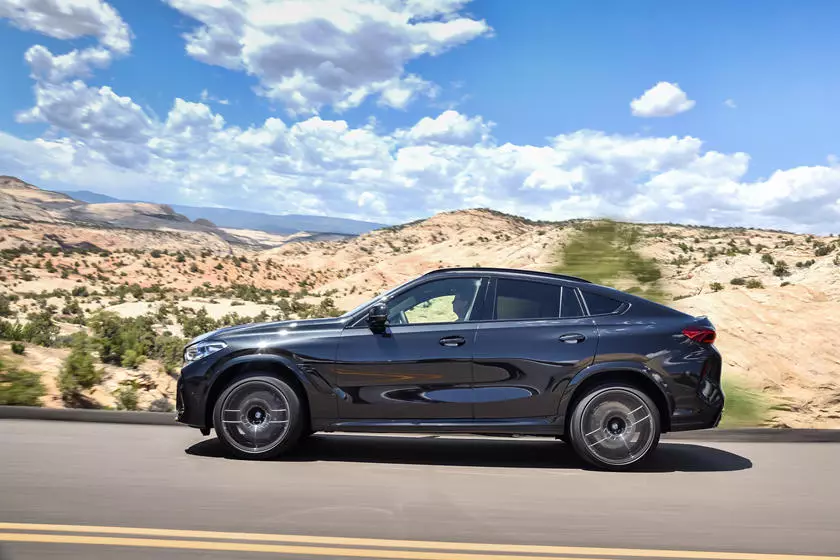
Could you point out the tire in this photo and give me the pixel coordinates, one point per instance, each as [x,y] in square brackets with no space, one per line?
[258,416]
[615,427]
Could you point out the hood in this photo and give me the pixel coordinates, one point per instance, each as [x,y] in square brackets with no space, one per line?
[272,327]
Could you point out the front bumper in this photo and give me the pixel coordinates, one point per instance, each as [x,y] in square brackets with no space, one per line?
[191,400]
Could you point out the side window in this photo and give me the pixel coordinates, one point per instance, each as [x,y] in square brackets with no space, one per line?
[600,305]
[522,299]
[448,300]
[571,305]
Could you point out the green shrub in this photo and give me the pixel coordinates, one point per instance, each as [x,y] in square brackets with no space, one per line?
[5,306]
[754,283]
[823,249]
[78,372]
[126,396]
[605,252]
[781,269]
[767,258]
[19,387]
[738,281]
[716,286]
[132,359]
[18,347]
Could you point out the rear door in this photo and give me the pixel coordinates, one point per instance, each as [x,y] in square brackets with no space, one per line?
[537,338]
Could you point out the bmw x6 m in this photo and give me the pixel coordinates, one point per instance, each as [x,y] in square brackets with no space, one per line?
[467,350]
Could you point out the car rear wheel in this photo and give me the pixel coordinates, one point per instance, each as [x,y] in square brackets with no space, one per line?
[615,427]
[258,417]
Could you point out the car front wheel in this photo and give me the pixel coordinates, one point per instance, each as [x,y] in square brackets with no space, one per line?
[615,427]
[258,417]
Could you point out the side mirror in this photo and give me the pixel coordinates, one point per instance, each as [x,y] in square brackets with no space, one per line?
[378,316]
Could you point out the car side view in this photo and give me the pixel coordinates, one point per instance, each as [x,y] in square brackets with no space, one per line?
[466,350]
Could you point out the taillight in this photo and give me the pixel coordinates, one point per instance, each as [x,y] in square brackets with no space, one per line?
[701,335]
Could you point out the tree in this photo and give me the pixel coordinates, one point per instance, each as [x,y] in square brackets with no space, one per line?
[78,372]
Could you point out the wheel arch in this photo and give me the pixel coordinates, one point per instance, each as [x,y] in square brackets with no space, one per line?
[266,364]
[631,374]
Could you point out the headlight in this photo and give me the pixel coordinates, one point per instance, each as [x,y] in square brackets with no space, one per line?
[201,350]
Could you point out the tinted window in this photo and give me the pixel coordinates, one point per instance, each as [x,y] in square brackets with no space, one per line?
[600,305]
[439,301]
[520,299]
[571,305]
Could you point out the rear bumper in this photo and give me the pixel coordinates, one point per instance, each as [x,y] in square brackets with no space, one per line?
[706,414]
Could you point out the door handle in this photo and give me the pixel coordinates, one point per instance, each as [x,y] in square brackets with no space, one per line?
[572,338]
[452,341]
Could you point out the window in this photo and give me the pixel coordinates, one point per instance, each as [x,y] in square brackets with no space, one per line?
[600,305]
[571,305]
[447,300]
[521,299]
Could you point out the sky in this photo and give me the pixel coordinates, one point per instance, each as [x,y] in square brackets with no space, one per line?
[715,113]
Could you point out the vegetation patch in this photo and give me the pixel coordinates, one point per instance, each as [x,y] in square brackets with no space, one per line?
[605,252]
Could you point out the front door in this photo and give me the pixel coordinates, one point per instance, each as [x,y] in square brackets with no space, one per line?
[524,357]
[421,366]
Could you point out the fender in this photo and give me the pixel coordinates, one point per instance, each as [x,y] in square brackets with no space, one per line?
[598,368]
[268,359]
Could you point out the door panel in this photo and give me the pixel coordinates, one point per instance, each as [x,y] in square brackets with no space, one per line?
[521,367]
[411,371]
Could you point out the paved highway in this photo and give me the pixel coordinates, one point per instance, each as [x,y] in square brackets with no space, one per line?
[87,490]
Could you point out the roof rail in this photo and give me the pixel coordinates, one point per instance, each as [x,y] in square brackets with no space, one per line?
[509,270]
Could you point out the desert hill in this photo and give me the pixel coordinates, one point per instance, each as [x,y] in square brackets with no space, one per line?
[774,296]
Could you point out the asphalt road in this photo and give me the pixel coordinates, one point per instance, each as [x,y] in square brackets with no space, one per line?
[443,495]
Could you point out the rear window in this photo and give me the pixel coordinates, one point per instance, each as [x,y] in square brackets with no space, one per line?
[600,305]
[522,299]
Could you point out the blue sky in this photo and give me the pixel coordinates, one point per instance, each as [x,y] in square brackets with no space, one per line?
[538,96]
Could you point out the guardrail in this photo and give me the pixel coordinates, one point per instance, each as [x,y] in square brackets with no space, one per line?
[168,419]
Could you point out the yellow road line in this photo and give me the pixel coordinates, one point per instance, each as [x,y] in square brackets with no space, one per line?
[274,548]
[417,545]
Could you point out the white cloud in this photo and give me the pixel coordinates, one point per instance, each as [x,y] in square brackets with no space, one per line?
[309,54]
[105,142]
[70,19]
[450,127]
[662,100]
[47,67]
[730,103]
[205,97]
[86,112]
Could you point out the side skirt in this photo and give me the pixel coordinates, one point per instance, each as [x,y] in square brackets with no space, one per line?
[513,426]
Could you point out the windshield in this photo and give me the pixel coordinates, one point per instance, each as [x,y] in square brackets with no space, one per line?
[380,296]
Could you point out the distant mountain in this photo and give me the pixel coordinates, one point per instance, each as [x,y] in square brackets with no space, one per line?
[244,219]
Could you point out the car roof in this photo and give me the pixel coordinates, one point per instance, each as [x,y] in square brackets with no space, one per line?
[506,272]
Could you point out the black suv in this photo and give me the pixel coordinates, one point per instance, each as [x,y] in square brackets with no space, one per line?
[467,350]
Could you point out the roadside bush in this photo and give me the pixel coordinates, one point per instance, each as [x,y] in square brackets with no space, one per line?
[78,372]
[126,396]
[754,283]
[738,281]
[18,348]
[20,387]
[716,286]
